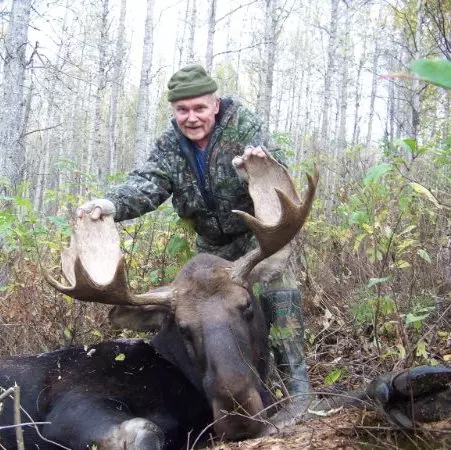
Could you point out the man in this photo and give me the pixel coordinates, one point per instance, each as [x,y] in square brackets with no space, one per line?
[192,162]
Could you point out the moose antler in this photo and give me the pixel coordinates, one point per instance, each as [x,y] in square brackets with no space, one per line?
[279,213]
[94,266]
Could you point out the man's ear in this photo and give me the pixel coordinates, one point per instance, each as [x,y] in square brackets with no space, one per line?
[139,318]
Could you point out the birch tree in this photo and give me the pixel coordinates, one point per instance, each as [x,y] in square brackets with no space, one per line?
[12,145]
[270,53]
[330,68]
[192,32]
[95,164]
[211,35]
[375,75]
[118,69]
[341,135]
[142,116]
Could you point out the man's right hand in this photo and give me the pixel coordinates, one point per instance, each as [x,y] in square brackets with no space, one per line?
[96,208]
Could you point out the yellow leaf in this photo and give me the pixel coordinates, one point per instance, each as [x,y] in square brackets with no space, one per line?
[426,193]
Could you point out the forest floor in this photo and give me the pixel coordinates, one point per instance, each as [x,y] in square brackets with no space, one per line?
[342,346]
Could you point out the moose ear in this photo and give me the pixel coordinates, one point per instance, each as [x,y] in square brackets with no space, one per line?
[149,318]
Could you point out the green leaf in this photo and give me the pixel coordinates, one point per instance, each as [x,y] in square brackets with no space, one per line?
[25,202]
[408,229]
[374,281]
[424,192]
[177,244]
[358,241]
[359,217]
[435,71]
[68,332]
[376,172]
[401,350]
[419,316]
[421,349]
[423,254]
[409,144]
[333,376]
[402,264]
[120,357]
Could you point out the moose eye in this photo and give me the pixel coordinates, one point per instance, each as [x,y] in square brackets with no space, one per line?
[248,310]
[185,332]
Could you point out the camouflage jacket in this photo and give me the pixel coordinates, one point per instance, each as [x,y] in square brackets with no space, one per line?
[171,169]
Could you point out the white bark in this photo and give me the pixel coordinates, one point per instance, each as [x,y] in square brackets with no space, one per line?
[12,146]
[142,116]
[192,32]
[270,57]
[358,94]
[344,89]
[95,163]
[331,55]
[210,36]
[117,85]
[374,83]
[416,89]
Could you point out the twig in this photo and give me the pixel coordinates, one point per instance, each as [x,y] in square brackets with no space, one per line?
[7,392]
[23,424]
[17,420]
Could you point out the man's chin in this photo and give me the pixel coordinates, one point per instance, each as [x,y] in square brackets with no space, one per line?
[195,137]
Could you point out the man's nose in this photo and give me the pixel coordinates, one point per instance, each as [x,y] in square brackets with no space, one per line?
[192,116]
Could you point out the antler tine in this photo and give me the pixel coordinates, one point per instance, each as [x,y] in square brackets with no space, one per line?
[279,213]
[95,268]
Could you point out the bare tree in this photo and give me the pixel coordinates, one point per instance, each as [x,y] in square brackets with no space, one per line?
[331,56]
[95,164]
[192,32]
[142,116]
[270,59]
[12,146]
[117,80]
[211,34]
[341,135]
[375,75]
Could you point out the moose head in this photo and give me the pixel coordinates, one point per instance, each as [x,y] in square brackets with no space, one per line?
[210,324]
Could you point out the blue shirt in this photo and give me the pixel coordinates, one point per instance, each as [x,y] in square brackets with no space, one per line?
[201,160]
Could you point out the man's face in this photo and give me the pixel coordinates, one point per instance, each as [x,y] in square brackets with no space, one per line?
[196,117]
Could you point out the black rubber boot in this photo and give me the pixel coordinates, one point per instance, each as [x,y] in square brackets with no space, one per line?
[283,313]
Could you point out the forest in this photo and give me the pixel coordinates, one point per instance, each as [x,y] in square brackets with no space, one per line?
[362,88]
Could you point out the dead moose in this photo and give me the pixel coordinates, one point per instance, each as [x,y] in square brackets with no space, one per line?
[212,331]
[208,363]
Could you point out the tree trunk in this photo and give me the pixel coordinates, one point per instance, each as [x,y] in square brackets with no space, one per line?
[331,55]
[142,116]
[374,70]
[211,35]
[192,32]
[12,146]
[358,95]
[95,165]
[180,41]
[416,89]
[344,90]
[117,85]
[270,58]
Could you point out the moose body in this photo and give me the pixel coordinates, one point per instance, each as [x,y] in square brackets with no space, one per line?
[115,395]
[208,361]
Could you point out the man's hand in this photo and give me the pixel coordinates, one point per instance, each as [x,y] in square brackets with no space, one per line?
[249,152]
[96,209]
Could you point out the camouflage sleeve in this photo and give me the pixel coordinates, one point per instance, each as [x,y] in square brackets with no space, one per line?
[252,133]
[145,188]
